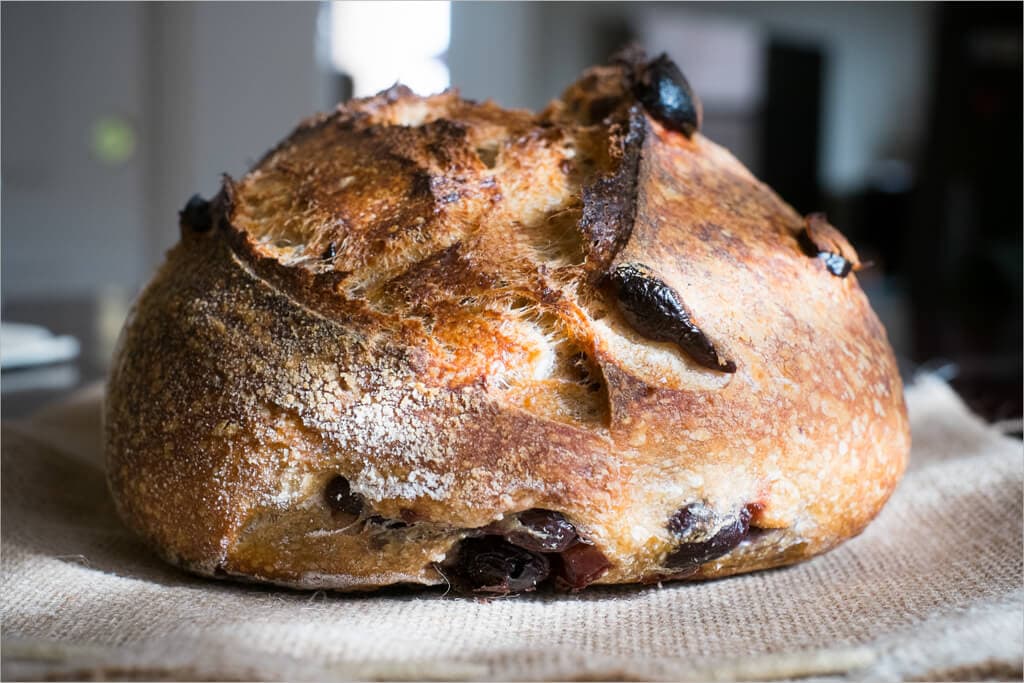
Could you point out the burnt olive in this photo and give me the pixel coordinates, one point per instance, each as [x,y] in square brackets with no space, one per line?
[579,566]
[655,310]
[493,565]
[196,215]
[819,239]
[667,96]
[543,531]
[705,535]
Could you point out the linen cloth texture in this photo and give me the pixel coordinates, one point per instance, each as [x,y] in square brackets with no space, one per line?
[931,590]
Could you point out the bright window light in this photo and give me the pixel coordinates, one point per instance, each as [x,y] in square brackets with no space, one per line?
[379,43]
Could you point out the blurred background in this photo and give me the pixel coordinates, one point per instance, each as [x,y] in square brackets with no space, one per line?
[902,121]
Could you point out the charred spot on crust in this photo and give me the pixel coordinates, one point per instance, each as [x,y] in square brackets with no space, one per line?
[820,240]
[493,565]
[654,310]
[667,96]
[521,552]
[704,534]
[339,496]
[196,215]
[609,203]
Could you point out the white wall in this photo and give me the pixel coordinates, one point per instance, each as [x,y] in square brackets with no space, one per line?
[208,86]
[496,54]
[229,81]
[69,222]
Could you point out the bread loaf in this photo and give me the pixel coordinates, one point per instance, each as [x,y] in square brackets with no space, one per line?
[432,341]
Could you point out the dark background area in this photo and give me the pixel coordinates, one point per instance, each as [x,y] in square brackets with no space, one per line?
[902,121]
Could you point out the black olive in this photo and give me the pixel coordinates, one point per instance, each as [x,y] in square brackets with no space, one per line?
[654,309]
[694,524]
[579,566]
[493,565]
[543,531]
[196,215]
[690,519]
[667,96]
[340,497]
[329,253]
[836,264]
[819,239]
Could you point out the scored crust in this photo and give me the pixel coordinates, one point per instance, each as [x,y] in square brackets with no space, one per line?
[418,295]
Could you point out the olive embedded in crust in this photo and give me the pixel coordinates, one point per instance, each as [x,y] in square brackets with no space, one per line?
[580,566]
[836,264]
[536,547]
[696,521]
[493,565]
[543,531]
[819,239]
[655,310]
[340,497]
[668,97]
[196,215]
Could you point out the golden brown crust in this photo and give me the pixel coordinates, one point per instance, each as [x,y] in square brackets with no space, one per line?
[410,293]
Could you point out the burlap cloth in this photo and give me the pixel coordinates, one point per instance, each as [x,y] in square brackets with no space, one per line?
[932,590]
